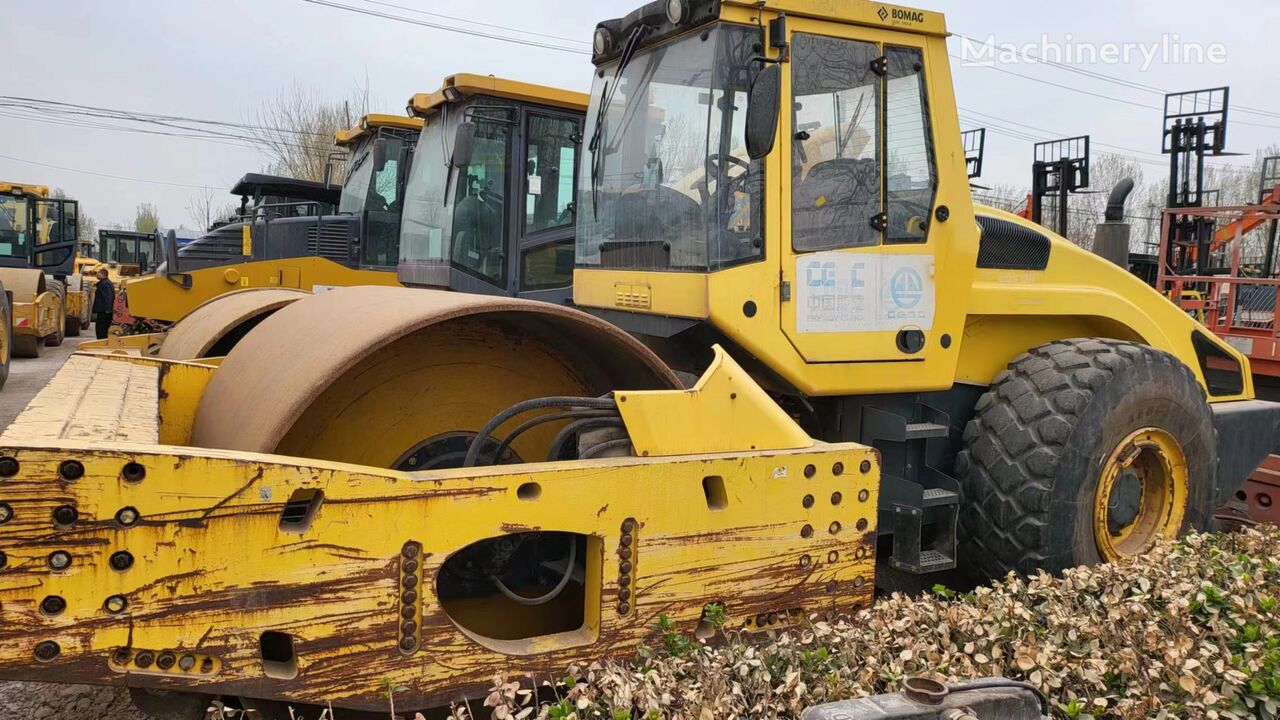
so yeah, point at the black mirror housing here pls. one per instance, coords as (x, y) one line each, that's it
(464, 141)
(171, 252)
(762, 111)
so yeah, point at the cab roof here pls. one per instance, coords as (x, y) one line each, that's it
(369, 124)
(13, 188)
(466, 85)
(858, 12)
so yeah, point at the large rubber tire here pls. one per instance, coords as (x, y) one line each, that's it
(6, 327)
(58, 288)
(73, 326)
(1034, 452)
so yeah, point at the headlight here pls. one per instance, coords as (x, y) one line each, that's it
(677, 11)
(602, 41)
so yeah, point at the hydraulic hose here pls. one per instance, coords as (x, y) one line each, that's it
(555, 592)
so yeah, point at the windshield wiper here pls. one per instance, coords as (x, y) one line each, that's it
(606, 99)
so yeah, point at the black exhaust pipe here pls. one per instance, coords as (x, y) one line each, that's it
(1111, 239)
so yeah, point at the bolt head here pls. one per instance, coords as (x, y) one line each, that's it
(408, 644)
(8, 467)
(144, 659)
(71, 470)
(115, 604)
(166, 660)
(6, 513)
(47, 651)
(59, 560)
(127, 517)
(65, 515)
(121, 560)
(186, 662)
(53, 605)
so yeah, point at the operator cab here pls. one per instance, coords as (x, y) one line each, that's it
(136, 253)
(489, 206)
(37, 231)
(356, 225)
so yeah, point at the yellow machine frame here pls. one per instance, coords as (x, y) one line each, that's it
(179, 572)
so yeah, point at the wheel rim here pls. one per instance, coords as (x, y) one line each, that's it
(1141, 496)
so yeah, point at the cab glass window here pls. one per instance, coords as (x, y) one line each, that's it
(549, 173)
(665, 182)
(479, 212)
(13, 226)
(912, 176)
(548, 266)
(835, 158)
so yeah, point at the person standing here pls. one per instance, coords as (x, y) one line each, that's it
(104, 302)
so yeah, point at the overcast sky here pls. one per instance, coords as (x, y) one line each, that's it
(219, 59)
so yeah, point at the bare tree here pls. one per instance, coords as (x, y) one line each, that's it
(297, 127)
(203, 210)
(87, 230)
(147, 219)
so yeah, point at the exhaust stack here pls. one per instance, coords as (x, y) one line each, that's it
(1111, 239)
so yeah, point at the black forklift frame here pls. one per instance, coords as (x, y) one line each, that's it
(1059, 169)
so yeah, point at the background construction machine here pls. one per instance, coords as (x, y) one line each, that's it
(294, 233)
(38, 241)
(385, 487)
(494, 215)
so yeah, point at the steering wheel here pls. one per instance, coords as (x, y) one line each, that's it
(733, 185)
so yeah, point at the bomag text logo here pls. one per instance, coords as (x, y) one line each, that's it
(900, 15)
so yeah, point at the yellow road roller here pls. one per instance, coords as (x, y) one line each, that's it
(38, 240)
(470, 243)
(293, 233)
(823, 370)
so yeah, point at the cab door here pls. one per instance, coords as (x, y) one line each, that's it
(544, 243)
(859, 243)
(57, 226)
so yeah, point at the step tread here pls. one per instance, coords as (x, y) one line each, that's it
(923, 430)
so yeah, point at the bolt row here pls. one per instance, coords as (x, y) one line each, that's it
(626, 566)
(410, 608)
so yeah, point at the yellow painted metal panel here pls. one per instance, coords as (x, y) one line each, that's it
(726, 410)
(212, 569)
(92, 398)
(158, 298)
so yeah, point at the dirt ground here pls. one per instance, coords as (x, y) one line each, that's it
(38, 701)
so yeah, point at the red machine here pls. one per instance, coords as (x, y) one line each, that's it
(1219, 264)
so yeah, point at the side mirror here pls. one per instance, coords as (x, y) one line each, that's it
(171, 252)
(762, 111)
(464, 143)
(404, 161)
(379, 155)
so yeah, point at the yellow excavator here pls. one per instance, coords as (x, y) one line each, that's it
(825, 369)
(38, 241)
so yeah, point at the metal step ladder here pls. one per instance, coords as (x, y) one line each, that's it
(919, 503)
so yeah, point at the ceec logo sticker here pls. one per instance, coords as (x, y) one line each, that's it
(906, 288)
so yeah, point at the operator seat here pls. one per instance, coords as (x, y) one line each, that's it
(834, 205)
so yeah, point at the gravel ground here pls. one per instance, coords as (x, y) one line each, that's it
(38, 701)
